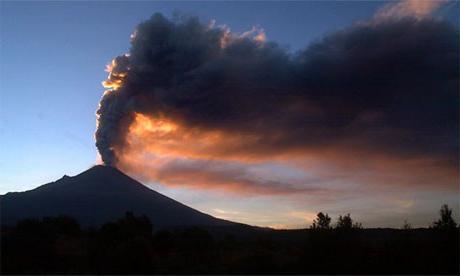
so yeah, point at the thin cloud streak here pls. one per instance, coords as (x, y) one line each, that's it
(409, 8)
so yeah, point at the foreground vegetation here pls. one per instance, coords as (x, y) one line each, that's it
(130, 246)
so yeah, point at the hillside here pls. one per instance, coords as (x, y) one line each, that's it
(99, 195)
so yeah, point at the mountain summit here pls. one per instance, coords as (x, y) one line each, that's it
(99, 195)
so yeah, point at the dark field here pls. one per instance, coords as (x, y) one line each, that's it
(131, 245)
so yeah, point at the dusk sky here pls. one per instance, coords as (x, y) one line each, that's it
(289, 108)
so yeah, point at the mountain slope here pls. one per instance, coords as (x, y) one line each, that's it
(99, 195)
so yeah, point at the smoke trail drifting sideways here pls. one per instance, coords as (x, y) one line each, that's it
(191, 90)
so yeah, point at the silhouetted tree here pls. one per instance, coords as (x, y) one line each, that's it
(357, 225)
(446, 221)
(406, 225)
(346, 222)
(322, 221)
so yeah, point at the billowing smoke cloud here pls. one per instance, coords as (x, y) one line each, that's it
(383, 89)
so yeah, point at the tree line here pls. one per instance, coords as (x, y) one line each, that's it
(132, 245)
(323, 221)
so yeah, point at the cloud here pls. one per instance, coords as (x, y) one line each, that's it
(409, 8)
(227, 177)
(389, 87)
(382, 90)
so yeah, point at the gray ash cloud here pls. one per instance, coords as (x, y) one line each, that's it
(379, 86)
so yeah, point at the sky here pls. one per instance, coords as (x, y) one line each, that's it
(53, 60)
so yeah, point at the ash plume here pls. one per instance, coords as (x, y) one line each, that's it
(378, 88)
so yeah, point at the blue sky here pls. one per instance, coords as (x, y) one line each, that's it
(53, 56)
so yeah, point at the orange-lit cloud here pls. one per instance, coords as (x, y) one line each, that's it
(163, 151)
(209, 174)
(409, 8)
(117, 74)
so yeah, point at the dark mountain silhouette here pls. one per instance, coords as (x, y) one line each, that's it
(99, 195)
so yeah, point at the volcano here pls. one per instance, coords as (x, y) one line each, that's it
(99, 195)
